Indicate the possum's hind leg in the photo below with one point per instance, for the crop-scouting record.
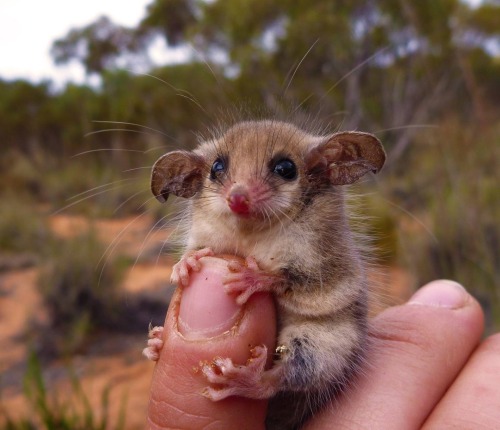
(250, 380)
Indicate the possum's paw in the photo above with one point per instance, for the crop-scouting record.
(247, 279)
(155, 344)
(188, 262)
(250, 380)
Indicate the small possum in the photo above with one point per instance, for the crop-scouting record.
(272, 193)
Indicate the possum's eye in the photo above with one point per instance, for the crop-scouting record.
(285, 168)
(218, 168)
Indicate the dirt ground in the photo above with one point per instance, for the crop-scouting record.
(126, 371)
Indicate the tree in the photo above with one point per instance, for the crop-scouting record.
(381, 64)
(99, 46)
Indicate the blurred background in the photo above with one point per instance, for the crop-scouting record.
(92, 94)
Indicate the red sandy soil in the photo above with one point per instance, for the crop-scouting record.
(127, 372)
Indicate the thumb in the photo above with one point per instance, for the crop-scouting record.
(202, 323)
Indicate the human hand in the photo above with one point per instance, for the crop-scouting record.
(423, 369)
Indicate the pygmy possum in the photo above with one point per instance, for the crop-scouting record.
(272, 193)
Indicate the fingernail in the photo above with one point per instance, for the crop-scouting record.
(205, 309)
(443, 294)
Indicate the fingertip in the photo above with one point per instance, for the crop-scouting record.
(178, 383)
(441, 293)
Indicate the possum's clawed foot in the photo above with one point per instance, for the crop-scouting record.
(247, 279)
(249, 380)
(188, 262)
(155, 344)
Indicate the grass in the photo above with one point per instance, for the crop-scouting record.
(52, 410)
(79, 289)
(22, 229)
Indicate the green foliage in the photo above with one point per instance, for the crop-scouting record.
(79, 289)
(169, 18)
(22, 229)
(52, 411)
(452, 184)
(89, 189)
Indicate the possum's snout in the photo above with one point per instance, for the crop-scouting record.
(238, 200)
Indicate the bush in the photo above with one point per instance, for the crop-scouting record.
(88, 186)
(22, 229)
(453, 184)
(79, 288)
(96, 191)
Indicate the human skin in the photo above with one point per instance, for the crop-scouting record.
(427, 366)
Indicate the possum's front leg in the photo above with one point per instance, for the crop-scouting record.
(187, 263)
(246, 279)
(155, 343)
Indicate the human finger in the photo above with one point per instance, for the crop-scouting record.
(417, 351)
(473, 401)
(203, 322)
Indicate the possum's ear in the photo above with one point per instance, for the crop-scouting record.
(177, 172)
(346, 156)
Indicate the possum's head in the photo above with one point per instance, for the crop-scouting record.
(265, 171)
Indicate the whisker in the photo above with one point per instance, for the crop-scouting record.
(145, 241)
(188, 95)
(83, 199)
(298, 66)
(137, 168)
(360, 65)
(207, 64)
(156, 148)
(415, 218)
(136, 125)
(404, 127)
(181, 222)
(168, 84)
(114, 243)
(196, 102)
(99, 187)
(107, 149)
(371, 57)
(107, 130)
(127, 200)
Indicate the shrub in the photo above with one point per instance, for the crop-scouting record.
(79, 288)
(22, 229)
(453, 183)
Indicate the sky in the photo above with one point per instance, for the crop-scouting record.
(29, 27)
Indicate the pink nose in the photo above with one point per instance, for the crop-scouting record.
(238, 203)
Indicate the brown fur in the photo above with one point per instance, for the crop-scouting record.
(297, 231)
